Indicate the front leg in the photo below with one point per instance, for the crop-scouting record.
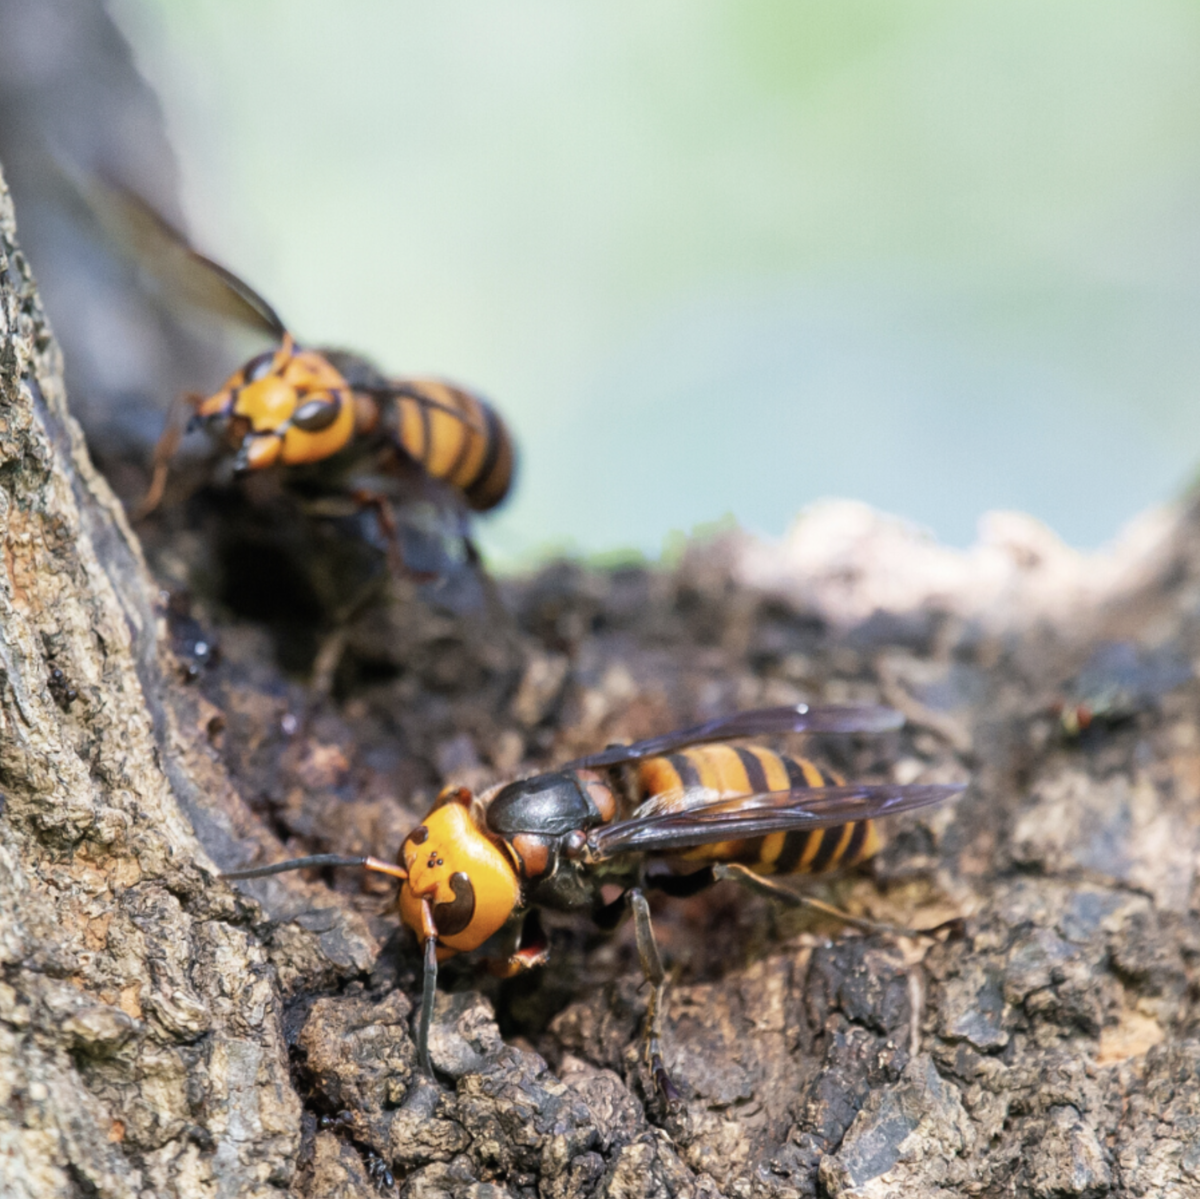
(533, 950)
(428, 988)
(165, 449)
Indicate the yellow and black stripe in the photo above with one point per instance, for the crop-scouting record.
(732, 771)
(457, 437)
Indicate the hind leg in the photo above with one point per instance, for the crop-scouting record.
(770, 889)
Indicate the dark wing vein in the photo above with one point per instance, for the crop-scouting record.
(762, 813)
(760, 722)
(164, 252)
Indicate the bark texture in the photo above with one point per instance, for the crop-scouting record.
(164, 1034)
(141, 1045)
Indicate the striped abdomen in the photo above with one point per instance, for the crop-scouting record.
(732, 771)
(456, 437)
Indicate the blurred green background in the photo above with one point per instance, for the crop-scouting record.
(729, 256)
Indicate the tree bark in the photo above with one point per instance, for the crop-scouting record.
(141, 1051)
(164, 1034)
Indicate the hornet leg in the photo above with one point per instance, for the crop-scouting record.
(164, 451)
(385, 514)
(429, 989)
(324, 667)
(330, 649)
(773, 890)
(533, 950)
(652, 968)
(606, 916)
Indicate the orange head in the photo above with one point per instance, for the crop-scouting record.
(287, 405)
(469, 880)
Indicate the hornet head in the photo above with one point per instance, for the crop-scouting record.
(286, 405)
(469, 881)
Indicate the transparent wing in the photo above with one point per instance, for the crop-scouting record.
(165, 253)
(759, 722)
(762, 813)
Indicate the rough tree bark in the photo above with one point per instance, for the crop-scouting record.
(142, 1046)
(164, 1034)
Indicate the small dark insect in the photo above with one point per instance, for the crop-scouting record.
(377, 1168)
(61, 690)
(378, 1172)
(477, 867)
(1119, 680)
(342, 1120)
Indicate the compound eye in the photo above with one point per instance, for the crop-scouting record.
(315, 415)
(260, 367)
(451, 918)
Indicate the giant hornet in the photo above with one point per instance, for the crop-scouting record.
(478, 866)
(347, 438)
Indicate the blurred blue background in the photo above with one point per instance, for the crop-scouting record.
(725, 257)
